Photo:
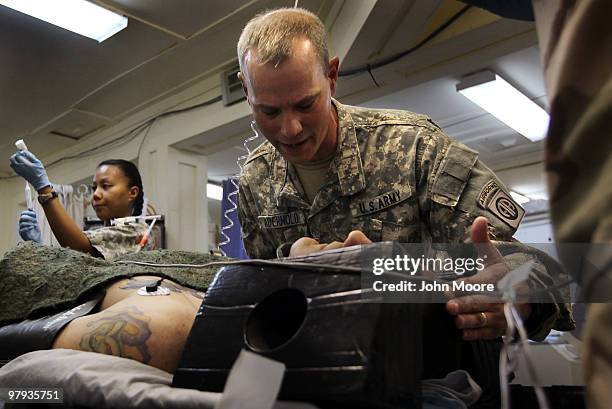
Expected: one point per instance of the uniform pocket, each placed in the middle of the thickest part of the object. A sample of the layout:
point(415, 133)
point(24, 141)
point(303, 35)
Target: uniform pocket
point(339, 228)
point(402, 233)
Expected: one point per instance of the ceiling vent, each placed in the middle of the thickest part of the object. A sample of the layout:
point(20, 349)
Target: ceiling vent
point(72, 125)
point(231, 87)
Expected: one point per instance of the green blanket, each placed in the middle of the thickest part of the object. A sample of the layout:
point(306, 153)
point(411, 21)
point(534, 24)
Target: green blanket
point(37, 280)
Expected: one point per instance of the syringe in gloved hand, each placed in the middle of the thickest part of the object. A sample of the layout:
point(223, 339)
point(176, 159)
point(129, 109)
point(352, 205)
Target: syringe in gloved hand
point(20, 144)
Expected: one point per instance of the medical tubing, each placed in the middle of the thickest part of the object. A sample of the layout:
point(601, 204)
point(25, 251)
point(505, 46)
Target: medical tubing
point(524, 343)
point(508, 357)
point(232, 195)
point(297, 264)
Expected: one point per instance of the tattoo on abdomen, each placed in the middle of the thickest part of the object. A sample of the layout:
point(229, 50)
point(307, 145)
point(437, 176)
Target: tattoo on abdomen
point(123, 334)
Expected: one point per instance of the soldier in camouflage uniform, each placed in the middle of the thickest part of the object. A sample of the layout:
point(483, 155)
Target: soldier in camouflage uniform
point(575, 41)
point(576, 44)
point(396, 176)
point(393, 175)
point(117, 193)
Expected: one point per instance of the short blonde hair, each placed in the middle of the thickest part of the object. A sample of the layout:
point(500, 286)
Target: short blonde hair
point(272, 34)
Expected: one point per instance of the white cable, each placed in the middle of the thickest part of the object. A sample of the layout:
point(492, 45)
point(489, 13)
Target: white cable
point(509, 355)
point(542, 400)
point(231, 196)
point(310, 266)
point(280, 263)
point(504, 357)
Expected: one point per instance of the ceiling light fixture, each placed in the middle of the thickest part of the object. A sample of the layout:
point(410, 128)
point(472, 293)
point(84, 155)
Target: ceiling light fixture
point(214, 192)
point(519, 198)
point(538, 196)
point(78, 16)
point(493, 94)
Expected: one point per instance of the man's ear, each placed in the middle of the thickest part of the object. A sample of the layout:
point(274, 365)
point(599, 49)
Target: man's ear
point(332, 74)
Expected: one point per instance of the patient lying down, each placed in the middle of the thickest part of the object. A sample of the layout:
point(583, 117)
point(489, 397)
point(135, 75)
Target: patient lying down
point(148, 328)
point(146, 318)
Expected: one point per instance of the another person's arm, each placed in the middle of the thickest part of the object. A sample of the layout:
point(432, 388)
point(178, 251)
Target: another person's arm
point(66, 231)
point(454, 188)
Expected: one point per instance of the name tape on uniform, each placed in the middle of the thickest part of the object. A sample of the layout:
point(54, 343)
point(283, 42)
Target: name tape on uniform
point(277, 221)
point(378, 203)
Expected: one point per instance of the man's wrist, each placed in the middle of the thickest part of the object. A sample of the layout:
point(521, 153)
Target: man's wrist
point(45, 190)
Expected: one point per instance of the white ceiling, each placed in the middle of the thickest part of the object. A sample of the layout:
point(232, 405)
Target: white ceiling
point(467, 122)
point(58, 88)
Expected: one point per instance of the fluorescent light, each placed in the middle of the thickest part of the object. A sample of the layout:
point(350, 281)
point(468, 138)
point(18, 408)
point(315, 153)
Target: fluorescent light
point(538, 196)
point(214, 192)
point(78, 16)
point(493, 94)
point(519, 198)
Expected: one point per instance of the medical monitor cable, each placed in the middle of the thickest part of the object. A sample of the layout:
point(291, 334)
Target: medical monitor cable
point(319, 266)
point(231, 196)
point(508, 357)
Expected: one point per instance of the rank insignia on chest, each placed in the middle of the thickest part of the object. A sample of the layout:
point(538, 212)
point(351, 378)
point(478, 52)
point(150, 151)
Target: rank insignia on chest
point(493, 198)
point(281, 220)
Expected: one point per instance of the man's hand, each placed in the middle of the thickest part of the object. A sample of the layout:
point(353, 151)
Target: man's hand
point(306, 245)
point(479, 316)
point(26, 165)
point(28, 227)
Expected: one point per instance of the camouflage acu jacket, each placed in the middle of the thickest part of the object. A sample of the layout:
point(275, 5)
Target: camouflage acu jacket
point(113, 241)
point(395, 176)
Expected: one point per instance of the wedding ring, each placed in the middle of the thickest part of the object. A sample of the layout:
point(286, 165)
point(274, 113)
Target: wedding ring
point(485, 320)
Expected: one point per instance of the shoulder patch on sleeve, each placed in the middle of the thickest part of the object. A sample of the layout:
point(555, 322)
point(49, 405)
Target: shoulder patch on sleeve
point(486, 192)
point(493, 198)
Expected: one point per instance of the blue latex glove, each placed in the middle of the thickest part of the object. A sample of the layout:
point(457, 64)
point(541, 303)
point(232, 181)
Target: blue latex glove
point(26, 165)
point(28, 226)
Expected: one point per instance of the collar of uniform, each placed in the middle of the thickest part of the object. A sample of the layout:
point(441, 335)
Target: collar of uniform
point(347, 163)
point(287, 194)
point(348, 159)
